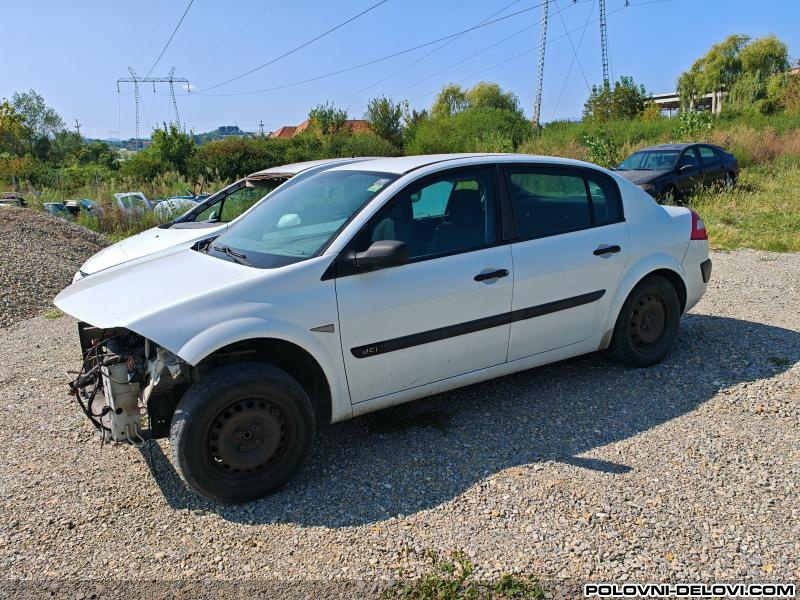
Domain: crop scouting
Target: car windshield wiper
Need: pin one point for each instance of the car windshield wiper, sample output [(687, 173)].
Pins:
[(237, 256)]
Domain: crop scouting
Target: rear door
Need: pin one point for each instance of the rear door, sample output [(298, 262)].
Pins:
[(713, 170), (570, 253), (446, 312)]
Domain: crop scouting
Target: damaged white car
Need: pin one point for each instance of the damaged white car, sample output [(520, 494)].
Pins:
[(371, 284)]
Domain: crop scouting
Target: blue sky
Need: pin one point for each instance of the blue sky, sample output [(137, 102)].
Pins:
[(73, 52)]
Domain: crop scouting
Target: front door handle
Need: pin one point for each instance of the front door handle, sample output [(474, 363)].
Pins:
[(607, 250), (491, 275)]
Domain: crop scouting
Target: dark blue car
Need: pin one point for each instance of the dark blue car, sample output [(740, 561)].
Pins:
[(670, 172)]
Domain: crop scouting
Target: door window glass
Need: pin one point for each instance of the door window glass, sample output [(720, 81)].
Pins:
[(605, 199), (707, 155), (546, 203), (456, 212), (689, 158)]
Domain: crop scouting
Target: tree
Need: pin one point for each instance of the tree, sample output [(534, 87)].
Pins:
[(490, 95), (625, 100), (13, 132), (450, 101), (172, 148), (738, 65), (41, 120), (384, 118), (325, 119)]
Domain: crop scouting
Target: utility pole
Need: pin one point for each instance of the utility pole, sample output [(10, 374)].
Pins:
[(261, 125), (169, 79), (77, 126), (604, 42), (537, 105)]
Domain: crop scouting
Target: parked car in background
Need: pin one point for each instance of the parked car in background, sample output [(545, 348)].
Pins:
[(174, 206), (57, 209), (371, 284), (132, 202), (208, 218), (669, 172), (76, 207), (12, 199)]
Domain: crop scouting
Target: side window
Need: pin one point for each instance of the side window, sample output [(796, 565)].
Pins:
[(606, 203), (689, 158), (707, 155), (546, 202), (454, 212)]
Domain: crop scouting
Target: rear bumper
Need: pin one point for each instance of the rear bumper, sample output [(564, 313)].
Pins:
[(697, 271)]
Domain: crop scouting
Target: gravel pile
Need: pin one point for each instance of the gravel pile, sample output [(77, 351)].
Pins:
[(687, 471), (40, 255)]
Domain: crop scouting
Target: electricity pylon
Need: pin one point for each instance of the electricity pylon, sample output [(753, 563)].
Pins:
[(136, 80)]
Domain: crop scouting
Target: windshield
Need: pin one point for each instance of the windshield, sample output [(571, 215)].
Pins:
[(649, 160), (299, 219)]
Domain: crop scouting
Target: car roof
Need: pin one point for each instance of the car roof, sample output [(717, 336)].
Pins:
[(295, 168), (405, 164), (681, 146)]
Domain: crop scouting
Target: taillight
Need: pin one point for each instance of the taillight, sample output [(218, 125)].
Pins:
[(698, 227)]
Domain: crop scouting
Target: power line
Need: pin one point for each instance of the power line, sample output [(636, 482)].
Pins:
[(174, 31), (471, 56), (426, 55), (381, 59), (571, 45), (296, 48), (574, 58)]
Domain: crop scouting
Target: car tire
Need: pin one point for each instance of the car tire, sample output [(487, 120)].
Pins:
[(647, 324), (242, 432)]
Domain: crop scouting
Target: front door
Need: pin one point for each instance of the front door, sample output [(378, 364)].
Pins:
[(570, 257), (689, 174), (443, 314)]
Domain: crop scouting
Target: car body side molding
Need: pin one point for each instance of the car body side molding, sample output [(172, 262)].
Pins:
[(442, 333)]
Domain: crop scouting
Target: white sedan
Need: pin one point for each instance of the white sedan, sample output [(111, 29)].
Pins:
[(371, 284), (199, 220)]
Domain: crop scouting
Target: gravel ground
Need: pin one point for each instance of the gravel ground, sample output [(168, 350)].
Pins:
[(688, 471), (40, 255)]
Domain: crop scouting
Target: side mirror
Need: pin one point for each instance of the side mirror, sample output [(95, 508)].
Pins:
[(383, 253)]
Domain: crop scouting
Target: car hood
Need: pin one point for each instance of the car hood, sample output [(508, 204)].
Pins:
[(640, 176), (142, 244)]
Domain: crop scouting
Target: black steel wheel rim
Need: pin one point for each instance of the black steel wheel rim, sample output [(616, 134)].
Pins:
[(248, 437), (648, 320)]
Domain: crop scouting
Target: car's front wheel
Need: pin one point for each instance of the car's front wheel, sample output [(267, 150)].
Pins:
[(647, 325), (241, 432)]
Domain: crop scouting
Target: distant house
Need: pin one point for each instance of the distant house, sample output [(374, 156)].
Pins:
[(286, 131), (352, 125)]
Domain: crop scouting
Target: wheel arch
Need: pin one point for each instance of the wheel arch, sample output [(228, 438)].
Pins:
[(660, 264), (288, 356)]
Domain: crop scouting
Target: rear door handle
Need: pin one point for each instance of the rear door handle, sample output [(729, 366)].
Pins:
[(491, 275), (607, 250)]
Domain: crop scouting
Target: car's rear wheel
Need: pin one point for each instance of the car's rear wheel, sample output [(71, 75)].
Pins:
[(242, 432), (730, 181), (647, 325)]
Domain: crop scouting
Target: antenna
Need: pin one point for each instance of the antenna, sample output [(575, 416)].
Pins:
[(537, 105), (77, 126), (169, 79), (261, 125)]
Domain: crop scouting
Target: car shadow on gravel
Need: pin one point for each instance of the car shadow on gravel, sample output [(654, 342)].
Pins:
[(416, 456)]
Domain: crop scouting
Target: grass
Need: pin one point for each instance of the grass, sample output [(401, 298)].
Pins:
[(52, 314), (452, 580), (762, 212)]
